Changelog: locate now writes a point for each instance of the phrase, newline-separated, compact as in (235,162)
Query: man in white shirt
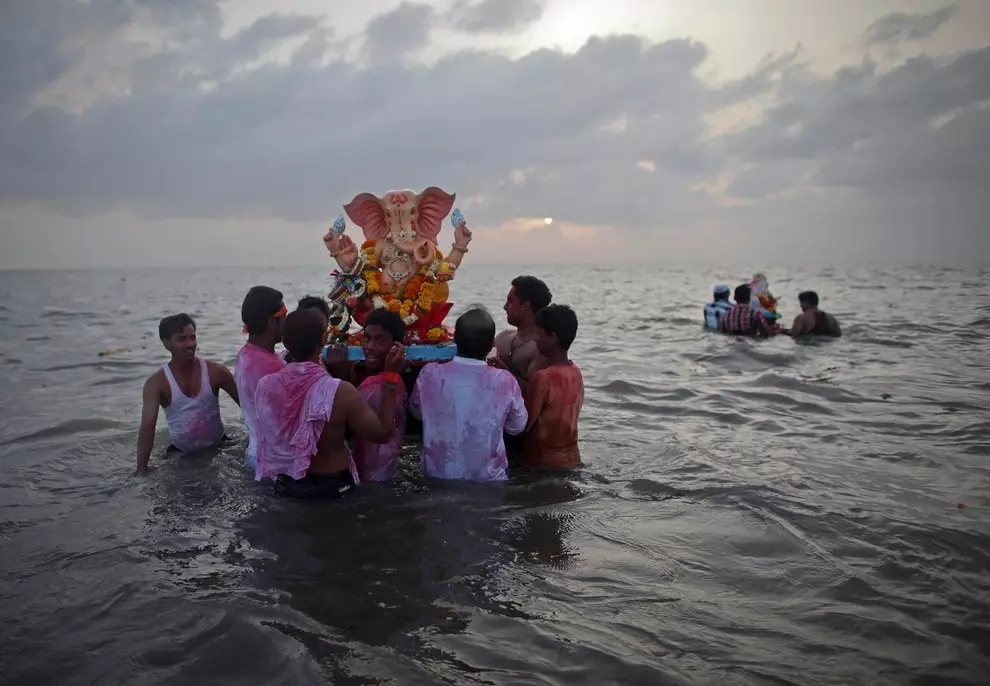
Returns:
(718,308)
(465,405)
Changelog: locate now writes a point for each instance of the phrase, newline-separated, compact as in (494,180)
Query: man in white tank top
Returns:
(187,389)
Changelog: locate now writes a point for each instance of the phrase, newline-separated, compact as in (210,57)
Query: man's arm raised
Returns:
(363,420)
(150,402)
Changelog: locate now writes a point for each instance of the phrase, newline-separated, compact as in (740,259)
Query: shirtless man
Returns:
(187,389)
(302,413)
(812,320)
(517,349)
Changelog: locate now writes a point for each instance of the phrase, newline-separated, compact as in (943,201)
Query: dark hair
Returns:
(533,291)
(302,334)
(313,302)
(723,295)
(559,320)
(809,297)
(260,304)
(173,324)
(388,320)
(474,333)
(743,294)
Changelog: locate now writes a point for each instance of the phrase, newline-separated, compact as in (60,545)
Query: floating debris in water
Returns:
(113,351)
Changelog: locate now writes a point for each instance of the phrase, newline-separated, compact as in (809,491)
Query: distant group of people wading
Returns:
(318,425)
(754,313)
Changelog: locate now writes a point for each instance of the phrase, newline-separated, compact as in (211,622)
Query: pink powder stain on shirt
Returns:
(252,365)
(293,406)
(465,406)
(378,462)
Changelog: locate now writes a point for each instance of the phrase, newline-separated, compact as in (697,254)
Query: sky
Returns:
(230,132)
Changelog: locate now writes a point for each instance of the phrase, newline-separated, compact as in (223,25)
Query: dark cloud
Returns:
(614,134)
(401,31)
(898,26)
(496,16)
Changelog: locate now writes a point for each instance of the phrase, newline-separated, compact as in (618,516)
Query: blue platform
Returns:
(414,353)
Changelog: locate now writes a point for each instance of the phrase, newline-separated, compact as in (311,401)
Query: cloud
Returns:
(614,138)
(898,26)
(496,16)
(394,34)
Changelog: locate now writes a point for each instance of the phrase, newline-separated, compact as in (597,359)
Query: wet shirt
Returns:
(193,422)
(252,365)
(743,319)
(293,405)
(554,403)
(714,311)
(465,405)
(379,461)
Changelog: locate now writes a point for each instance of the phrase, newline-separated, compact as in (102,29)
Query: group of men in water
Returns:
(516,394)
(750,316)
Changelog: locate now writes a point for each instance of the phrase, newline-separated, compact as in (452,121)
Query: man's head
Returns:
(382,329)
(474,333)
(318,305)
(808,300)
(743,294)
(304,335)
(721,292)
(263,312)
(178,334)
(556,327)
(527,296)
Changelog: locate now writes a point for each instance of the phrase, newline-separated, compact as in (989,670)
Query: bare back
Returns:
(349,409)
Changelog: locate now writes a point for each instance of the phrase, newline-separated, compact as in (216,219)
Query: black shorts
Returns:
(315,486)
(513,447)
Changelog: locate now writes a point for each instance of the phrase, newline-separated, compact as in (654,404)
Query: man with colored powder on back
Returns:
(303,412)
(466,405)
(263,312)
(555,395)
(187,389)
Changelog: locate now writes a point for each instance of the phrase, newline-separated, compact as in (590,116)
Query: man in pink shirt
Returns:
(465,405)
(263,313)
(383,330)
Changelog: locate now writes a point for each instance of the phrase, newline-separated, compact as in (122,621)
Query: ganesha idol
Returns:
(399,266)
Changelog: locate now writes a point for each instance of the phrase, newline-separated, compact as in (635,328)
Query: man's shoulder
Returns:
(213,366)
(501,377)
(504,337)
(156,378)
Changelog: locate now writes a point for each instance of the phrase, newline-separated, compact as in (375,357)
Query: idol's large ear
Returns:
(434,204)
(366,211)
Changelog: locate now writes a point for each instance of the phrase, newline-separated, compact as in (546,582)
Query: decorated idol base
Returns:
(441,352)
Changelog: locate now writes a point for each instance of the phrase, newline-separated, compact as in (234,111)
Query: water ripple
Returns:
(765,512)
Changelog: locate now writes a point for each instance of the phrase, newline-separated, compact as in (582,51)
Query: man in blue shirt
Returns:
(714,311)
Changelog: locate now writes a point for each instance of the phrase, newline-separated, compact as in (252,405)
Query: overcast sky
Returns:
(216,132)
